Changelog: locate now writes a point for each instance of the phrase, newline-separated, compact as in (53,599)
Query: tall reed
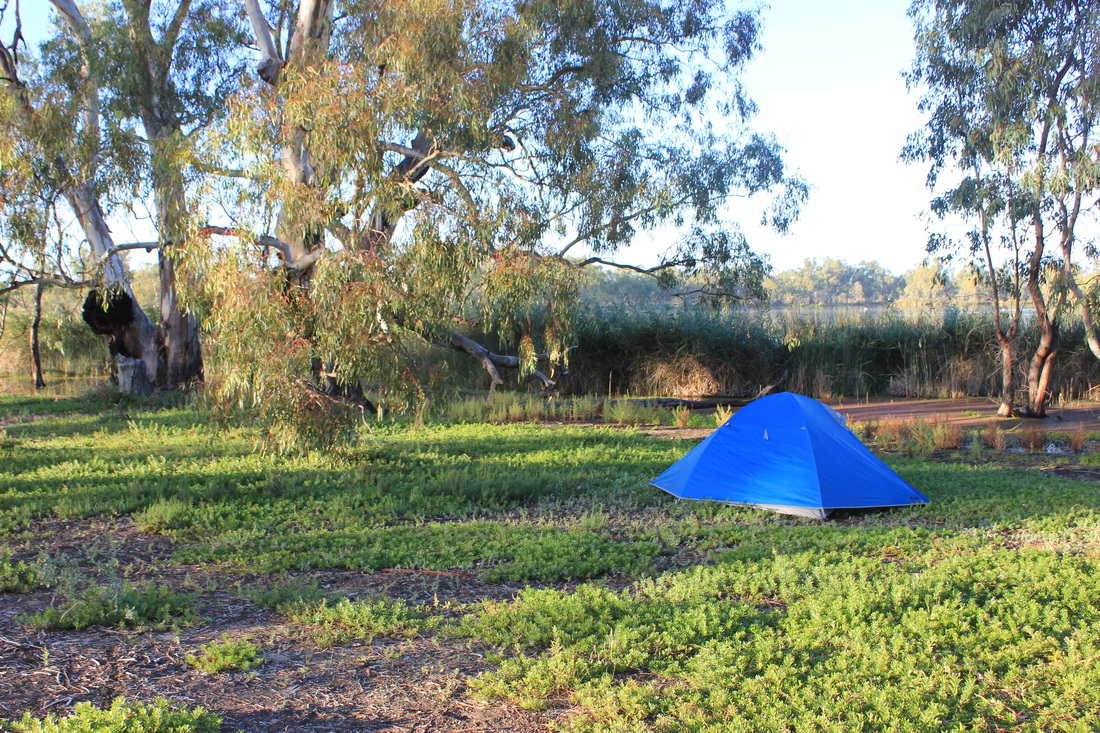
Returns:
(693,352)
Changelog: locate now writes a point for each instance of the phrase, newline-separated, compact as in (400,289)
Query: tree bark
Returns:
(1042,365)
(1006,339)
(182,341)
(1042,362)
(36,356)
(181,349)
(1008,379)
(141,337)
(182,346)
(491,361)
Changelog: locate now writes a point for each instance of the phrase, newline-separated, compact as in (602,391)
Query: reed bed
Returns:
(694,352)
(690,352)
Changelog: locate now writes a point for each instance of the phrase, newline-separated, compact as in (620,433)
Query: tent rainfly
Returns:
(790,454)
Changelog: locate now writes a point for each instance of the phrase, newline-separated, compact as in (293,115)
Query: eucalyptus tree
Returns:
(994,249)
(416,167)
(51,157)
(137,81)
(1012,92)
(167,69)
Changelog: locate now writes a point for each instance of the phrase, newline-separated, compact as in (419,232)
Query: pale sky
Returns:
(829,85)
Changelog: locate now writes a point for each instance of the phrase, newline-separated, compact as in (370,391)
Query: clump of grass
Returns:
(937,434)
(286,595)
(994,438)
(1078,439)
(162,516)
(922,437)
(586,408)
(913,436)
(721,414)
(865,431)
(1034,438)
(365,619)
(124,717)
(682,415)
(18,576)
(976,446)
(473,409)
(119,604)
(634,412)
(892,432)
(227,655)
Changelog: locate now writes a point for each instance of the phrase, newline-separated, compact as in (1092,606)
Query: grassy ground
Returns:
(467,576)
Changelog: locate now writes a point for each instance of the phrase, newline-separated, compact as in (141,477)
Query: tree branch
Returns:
(491,360)
(71,12)
(272,63)
(55,281)
(266,240)
(147,246)
(656,270)
(224,172)
(615,221)
(171,36)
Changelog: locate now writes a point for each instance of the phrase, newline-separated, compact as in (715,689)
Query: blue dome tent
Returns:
(790,454)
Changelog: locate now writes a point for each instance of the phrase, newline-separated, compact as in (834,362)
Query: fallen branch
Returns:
(766,390)
(491,361)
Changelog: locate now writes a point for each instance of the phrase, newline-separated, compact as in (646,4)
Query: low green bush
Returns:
(120,604)
(227,655)
(124,717)
(345,620)
(971,639)
(288,594)
(17,576)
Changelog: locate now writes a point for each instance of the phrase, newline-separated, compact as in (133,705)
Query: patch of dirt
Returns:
(389,684)
(1081,474)
(967,413)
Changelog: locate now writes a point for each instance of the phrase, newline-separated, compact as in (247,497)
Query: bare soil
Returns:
(389,684)
(967,413)
(970,413)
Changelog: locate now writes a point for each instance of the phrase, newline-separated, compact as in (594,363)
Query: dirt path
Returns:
(968,413)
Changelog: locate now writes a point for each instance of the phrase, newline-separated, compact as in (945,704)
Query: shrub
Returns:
(682,416)
(118,604)
(892,433)
(162,516)
(365,619)
(17,577)
(1078,439)
(227,655)
(994,438)
(285,595)
(1034,438)
(124,717)
(935,434)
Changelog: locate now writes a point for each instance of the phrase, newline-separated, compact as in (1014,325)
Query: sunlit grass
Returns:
(976,611)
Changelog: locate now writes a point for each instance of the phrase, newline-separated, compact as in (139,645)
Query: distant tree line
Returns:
(825,283)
